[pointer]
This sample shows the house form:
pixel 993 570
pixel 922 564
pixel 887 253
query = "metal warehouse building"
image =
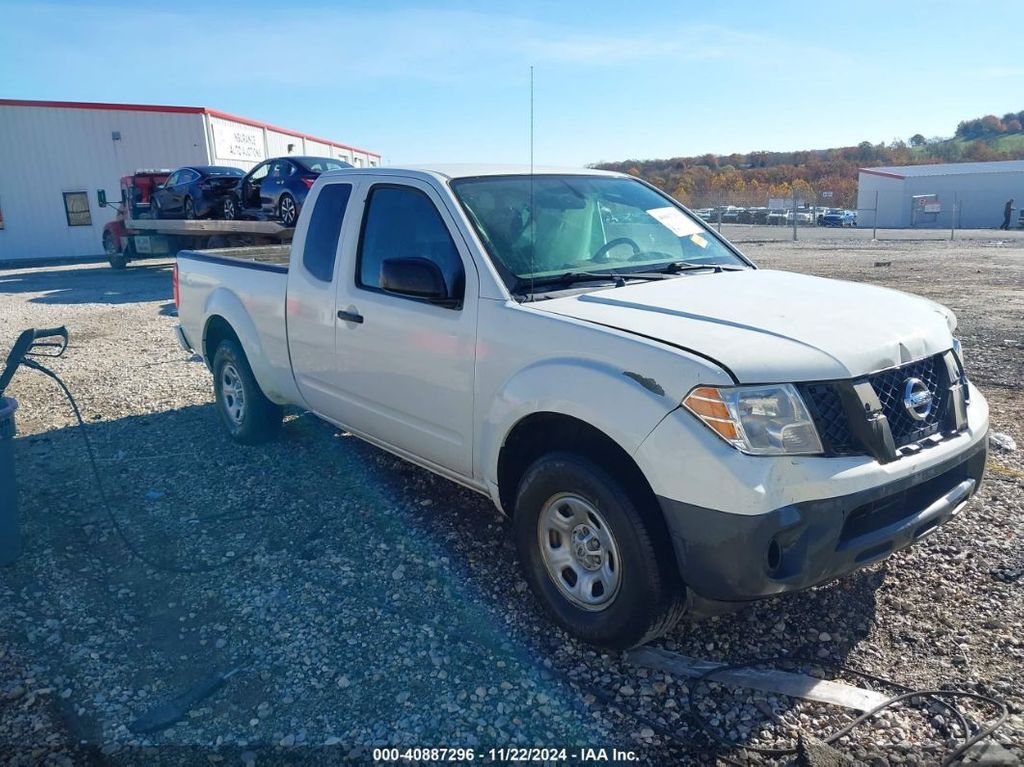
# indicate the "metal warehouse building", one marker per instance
pixel 969 195
pixel 55 156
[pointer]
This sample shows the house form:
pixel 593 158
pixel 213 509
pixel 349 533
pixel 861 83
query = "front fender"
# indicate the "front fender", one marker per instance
pixel 618 402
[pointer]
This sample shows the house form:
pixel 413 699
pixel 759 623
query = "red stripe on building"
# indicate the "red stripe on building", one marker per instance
pixel 177 110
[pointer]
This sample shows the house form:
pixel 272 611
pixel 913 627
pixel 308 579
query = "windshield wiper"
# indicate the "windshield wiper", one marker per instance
pixel 678 267
pixel 570 278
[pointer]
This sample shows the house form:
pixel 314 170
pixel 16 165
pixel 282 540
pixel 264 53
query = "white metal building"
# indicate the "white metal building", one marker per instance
pixel 970 194
pixel 55 156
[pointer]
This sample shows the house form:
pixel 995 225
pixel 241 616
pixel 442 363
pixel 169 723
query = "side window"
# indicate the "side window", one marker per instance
pixel 173 179
pixel 188 176
pixel 260 173
pixel 324 228
pixel 76 208
pixel 401 222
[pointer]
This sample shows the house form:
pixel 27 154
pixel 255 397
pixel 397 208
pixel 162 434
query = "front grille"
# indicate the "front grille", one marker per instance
pixel 889 386
pixel 826 407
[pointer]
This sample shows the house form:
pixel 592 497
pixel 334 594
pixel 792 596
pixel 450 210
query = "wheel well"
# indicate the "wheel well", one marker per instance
pixel 217 330
pixel 542 433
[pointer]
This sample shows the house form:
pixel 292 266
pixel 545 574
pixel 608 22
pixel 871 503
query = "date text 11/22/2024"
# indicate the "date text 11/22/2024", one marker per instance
pixel 507 754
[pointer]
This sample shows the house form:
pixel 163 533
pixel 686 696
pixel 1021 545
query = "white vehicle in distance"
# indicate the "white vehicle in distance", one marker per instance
pixel 664 423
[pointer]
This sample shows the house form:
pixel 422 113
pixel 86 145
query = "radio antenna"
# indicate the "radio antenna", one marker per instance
pixel 533 225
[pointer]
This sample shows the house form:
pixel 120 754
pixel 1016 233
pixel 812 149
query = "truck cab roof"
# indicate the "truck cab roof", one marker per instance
pixel 446 171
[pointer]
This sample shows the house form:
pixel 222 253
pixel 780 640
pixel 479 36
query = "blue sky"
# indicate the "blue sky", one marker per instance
pixel 449 81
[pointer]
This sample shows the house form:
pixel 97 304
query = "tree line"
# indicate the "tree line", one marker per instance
pixel 752 178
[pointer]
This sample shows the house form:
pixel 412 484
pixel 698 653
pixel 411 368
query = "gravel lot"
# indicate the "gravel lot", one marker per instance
pixel 370 603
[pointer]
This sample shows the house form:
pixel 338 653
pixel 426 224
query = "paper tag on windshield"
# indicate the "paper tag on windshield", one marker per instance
pixel 674 220
pixel 699 241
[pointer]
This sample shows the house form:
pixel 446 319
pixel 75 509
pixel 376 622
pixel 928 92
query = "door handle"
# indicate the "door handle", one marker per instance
pixel 351 317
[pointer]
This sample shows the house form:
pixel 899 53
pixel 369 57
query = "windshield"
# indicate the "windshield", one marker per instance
pixel 583 224
pixel 323 164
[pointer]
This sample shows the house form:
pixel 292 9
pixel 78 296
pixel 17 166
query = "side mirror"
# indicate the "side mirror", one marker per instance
pixel 417 278
pixel 101 197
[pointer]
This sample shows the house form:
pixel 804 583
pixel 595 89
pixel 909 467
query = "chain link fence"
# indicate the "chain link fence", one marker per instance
pixel 756 217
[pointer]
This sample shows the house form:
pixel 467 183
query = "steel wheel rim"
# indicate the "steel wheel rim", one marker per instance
pixel 108 244
pixel 233 393
pixel 287 210
pixel 579 551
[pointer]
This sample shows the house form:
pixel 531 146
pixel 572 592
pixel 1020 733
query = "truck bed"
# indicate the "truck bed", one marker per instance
pixel 246 288
pixel 273 258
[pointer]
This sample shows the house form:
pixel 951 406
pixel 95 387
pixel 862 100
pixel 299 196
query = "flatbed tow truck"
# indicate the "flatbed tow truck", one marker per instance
pixel 134 234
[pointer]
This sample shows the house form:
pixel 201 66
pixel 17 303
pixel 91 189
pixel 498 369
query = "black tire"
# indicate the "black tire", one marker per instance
pixel 259 419
pixel 118 261
pixel 190 209
pixel 229 209
pixel 108 245
pixel 650 597
pixel 287 210
pixel 154 209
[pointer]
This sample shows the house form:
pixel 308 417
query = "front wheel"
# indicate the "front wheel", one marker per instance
pixel 249 416
pixel 287 210
pixel 590 556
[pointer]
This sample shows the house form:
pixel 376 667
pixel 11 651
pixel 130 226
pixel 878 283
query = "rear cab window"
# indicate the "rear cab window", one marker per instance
pixel 321 248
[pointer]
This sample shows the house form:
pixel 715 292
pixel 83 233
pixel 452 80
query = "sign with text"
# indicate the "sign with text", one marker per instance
pixel 232 141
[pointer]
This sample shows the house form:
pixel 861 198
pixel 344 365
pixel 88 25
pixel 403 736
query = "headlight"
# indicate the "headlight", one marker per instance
pixel 760 420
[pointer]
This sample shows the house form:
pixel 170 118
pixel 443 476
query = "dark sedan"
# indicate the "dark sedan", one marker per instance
pixel 275 189
pixel 196 191
pixel 839 218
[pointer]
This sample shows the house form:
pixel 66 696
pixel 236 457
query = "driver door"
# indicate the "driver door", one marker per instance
pixel 405 367
pixel 251 186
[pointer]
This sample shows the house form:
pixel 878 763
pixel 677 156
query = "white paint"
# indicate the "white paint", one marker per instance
pixel 444 387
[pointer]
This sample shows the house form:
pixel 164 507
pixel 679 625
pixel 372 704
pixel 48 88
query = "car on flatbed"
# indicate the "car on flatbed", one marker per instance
pixel 196 191
pixel 665 424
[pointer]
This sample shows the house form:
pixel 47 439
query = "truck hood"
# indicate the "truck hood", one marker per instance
pixel 767 326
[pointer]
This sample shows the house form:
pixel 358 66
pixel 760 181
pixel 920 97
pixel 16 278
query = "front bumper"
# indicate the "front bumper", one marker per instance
pixel 736 557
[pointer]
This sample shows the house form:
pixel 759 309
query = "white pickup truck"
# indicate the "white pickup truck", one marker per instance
pixel 664 423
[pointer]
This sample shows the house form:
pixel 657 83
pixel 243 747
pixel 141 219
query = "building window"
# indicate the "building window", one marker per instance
pixel 76 208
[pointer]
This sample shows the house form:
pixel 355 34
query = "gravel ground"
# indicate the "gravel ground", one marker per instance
pixel 370 603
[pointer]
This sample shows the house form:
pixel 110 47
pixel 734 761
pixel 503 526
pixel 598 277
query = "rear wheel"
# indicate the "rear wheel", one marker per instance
pixel 589 555
pixel 287 210
pixel 229 210
pixel 190 208
pixel 249 416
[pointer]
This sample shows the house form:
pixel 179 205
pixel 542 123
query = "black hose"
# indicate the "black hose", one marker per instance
pixel 132 548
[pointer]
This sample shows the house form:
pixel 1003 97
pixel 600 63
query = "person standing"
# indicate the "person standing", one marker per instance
pixel 1007 210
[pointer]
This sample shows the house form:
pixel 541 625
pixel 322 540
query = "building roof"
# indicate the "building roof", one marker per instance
pixel 91 105
pixel 947 169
